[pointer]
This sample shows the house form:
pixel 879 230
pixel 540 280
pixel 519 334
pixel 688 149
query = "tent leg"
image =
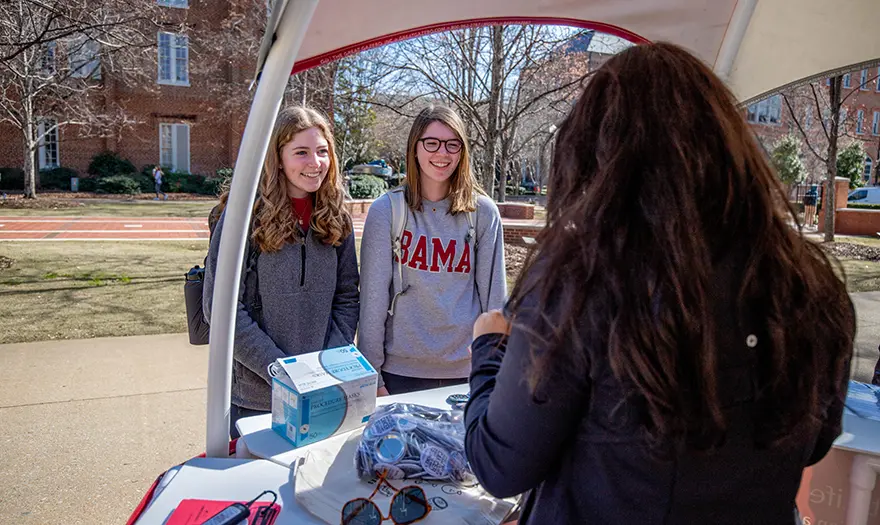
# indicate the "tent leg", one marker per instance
pixel 264 110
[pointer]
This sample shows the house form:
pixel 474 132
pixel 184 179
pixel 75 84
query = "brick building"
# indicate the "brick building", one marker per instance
pixel 192 116
pixel 796 109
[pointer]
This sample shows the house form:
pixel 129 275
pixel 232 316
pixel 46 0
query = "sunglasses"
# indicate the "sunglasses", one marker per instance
pixel 409 505
pixel 431 145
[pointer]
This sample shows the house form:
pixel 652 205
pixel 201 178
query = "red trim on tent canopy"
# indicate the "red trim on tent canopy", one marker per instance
pixel 399 36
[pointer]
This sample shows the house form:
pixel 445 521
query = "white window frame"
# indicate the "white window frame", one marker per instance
pixel 180 4
pixel 863 80
pixel 860 122
pixel 42 151
pixel 847 80
pixel 877 80
pixel 83 57
pixel 808 118
pixel 767 109
pixel 173 65
pixel 168 160
pixel 875 124
pixel 869 168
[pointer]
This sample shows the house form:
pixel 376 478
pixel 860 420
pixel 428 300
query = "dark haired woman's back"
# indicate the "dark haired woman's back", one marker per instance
pixel 679 353
pixel 579 449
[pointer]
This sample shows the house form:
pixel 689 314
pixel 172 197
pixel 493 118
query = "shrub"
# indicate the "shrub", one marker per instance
pixel 11 179
pixel 89 184
pixel 118 184
pixel 864 206
pixel 57 178
pixel 108 163
pixel 366 187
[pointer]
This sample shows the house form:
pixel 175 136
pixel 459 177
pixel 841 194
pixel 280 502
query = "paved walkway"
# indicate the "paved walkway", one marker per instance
pixel 132 229
pixel 87 425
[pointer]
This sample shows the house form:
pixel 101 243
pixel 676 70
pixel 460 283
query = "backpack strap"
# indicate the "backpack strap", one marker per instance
pixel 399 213
pixel 471 238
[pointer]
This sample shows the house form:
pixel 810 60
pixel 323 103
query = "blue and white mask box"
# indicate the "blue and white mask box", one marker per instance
pixel 321 394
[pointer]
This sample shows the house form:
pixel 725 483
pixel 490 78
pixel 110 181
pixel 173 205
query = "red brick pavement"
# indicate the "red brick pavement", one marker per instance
pixel 140 228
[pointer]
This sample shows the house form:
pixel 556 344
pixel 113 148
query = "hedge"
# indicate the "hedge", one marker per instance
pixel 57 178
pixel 366 187
pixel 108 163
pixel 11 179
pixel 864 206
pixel 118 184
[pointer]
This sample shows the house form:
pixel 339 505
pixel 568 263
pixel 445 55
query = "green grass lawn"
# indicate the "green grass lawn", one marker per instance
pixel 119 209
pixel 75 290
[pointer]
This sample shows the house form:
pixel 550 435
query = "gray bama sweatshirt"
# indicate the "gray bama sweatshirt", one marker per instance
pixel 449 286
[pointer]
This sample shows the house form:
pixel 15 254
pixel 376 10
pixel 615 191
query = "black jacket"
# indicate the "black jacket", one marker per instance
pixel 581 461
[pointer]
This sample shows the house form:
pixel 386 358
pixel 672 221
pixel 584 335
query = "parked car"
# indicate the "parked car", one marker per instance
pixel 865 196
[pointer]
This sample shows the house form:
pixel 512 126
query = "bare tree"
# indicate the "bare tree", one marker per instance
pixel 55 57
pixel 497 79
pixel 810 103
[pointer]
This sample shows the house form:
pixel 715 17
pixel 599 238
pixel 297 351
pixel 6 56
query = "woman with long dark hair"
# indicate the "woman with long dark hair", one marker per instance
pixel 678 352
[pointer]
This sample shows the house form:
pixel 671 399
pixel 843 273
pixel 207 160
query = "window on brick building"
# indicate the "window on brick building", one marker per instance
pixel 768 111
pixel 869 165
pixel 173 3
pixel 47 153
pixel 878 78
pixel 47 59
pixel 860 121
pixel 863 80
pixel 808 118
pixel 173 59
pixel 875 125
pixel 174 146
pixel 847 80
pixel 83 59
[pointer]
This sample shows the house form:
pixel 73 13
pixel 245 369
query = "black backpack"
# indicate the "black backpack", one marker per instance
pixel 193 287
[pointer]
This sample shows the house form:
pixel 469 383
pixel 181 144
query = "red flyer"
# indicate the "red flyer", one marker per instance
pixel 197 511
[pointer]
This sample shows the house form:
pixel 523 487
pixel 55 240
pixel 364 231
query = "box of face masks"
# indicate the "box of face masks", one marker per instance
pixel 317 395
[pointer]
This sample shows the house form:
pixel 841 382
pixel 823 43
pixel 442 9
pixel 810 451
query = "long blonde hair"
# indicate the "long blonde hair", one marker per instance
pixel 461 193
pixel 274 224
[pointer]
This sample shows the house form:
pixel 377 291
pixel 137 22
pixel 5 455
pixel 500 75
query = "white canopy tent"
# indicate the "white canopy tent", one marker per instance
pixel 757 46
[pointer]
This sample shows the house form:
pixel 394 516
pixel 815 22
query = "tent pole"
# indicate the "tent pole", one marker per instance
pixel 261 120
pixel 733 38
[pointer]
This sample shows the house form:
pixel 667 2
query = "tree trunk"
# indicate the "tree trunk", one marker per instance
pixel 831 163
pixel 494 106
pixel 877 164
pixel 30 179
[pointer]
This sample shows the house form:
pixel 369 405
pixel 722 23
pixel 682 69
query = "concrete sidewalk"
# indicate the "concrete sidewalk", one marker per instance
pixel 89 424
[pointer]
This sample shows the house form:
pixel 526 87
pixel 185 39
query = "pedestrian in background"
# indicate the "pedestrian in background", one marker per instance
pixel 157 178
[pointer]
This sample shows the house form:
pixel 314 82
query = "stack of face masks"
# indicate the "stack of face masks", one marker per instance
pixel 414 442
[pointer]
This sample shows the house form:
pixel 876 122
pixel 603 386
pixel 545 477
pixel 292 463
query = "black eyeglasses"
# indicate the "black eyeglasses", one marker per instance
pixel 431 144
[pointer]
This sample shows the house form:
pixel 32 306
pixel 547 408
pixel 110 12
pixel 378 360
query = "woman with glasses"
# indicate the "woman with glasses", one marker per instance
pixel 678 351
pixel 432 259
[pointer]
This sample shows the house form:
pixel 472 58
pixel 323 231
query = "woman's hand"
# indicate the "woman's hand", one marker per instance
pixel 382 392
pixel 491 322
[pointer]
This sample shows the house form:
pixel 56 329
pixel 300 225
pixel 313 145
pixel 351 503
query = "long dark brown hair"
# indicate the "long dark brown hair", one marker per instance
pixel 655 179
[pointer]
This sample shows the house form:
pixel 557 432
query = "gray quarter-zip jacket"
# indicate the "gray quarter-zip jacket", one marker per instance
pixel 310 301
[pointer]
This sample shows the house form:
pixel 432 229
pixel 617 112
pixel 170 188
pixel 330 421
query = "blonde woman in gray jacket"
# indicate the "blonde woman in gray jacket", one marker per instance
pixel 299 286
pixel 432 259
